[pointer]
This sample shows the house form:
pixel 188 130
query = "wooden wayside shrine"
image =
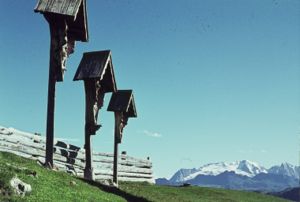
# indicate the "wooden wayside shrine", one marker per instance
pixel 123 105
pixel 68 23
pixel 96 70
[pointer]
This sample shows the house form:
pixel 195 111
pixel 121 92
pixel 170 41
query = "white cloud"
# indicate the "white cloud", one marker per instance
pixel 263 151
pixel 152 134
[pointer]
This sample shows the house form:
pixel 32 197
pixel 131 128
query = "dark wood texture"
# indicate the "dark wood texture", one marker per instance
pixel 96 70
pixel 88 170
pixel 97 65
pixel 123 101
pixel 55 71
pixel 74 11
pixel 115 165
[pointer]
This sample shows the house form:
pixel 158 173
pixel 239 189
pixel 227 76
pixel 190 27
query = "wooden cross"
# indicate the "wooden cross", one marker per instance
pixel 123 105
pixel 96 70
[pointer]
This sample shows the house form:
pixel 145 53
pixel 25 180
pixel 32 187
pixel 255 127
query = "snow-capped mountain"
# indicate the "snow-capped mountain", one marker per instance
pixel 245 168
pixel 286 169
pixel 242 175
pixel 181 174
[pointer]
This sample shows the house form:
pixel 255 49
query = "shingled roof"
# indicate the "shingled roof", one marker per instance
pixel 123 101
pixel 75 12
pixel 97 64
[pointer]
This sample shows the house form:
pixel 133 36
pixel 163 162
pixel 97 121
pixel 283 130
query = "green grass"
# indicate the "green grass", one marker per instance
pixel 193 194
pixel 56 186
pixel 48 185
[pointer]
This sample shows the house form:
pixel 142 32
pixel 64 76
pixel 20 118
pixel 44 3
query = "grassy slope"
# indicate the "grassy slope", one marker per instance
pixel 193 194
pixel 48 185
pixel 55 186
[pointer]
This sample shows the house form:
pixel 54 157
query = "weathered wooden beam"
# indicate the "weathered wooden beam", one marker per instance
pixel 58 55
pixel 88 170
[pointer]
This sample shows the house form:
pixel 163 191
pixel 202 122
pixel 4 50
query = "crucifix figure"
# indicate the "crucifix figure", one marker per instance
pixel 61 47
pixel 94 93
pixel 120 123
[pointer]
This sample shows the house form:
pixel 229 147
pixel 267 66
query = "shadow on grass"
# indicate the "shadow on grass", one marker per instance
pixel 116 191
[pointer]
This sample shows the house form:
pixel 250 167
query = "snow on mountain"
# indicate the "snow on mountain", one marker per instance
pixel 286 169
pixel 181 174
pixel 239 175
pixel 251 168
pixel 245 168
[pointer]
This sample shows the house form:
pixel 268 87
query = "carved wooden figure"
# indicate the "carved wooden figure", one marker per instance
pixel 68 23
pixel 123 105
pixel 96 70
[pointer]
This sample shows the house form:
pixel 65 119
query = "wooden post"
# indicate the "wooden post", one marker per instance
pixel 90 125
pixel 50 118
pixel 118 135
pixel 115 171
pixel 57 30
pixel 88 170
pixel 116 144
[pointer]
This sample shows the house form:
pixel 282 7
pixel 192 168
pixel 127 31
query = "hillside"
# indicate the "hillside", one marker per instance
pixel 50 185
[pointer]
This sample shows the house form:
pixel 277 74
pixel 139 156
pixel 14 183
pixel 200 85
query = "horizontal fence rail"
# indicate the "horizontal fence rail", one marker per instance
pixel 71 158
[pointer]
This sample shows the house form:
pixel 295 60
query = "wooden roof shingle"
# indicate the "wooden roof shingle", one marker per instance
pixel 75 12
pixel 123 101
pixel 97 65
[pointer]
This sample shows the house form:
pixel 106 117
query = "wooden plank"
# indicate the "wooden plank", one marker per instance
pixel 121 174
pixel 125 157
pixel 136 164
pixel 96 154
pixel 24 141
pixel 123 168
pixel 64 7
pixel 101 178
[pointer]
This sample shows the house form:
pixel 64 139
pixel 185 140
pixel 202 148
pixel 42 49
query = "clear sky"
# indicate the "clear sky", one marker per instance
pixel 213 80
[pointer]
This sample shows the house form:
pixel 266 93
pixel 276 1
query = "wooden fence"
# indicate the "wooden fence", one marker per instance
pixel 71 158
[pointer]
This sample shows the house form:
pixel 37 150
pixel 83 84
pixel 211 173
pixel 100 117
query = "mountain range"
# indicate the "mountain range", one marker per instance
pixel 239 175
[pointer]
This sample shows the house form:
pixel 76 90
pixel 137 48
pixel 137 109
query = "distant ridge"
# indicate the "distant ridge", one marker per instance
pixel 240 175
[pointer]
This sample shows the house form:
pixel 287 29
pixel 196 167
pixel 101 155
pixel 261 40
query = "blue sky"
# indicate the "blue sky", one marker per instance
pixel 213 80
